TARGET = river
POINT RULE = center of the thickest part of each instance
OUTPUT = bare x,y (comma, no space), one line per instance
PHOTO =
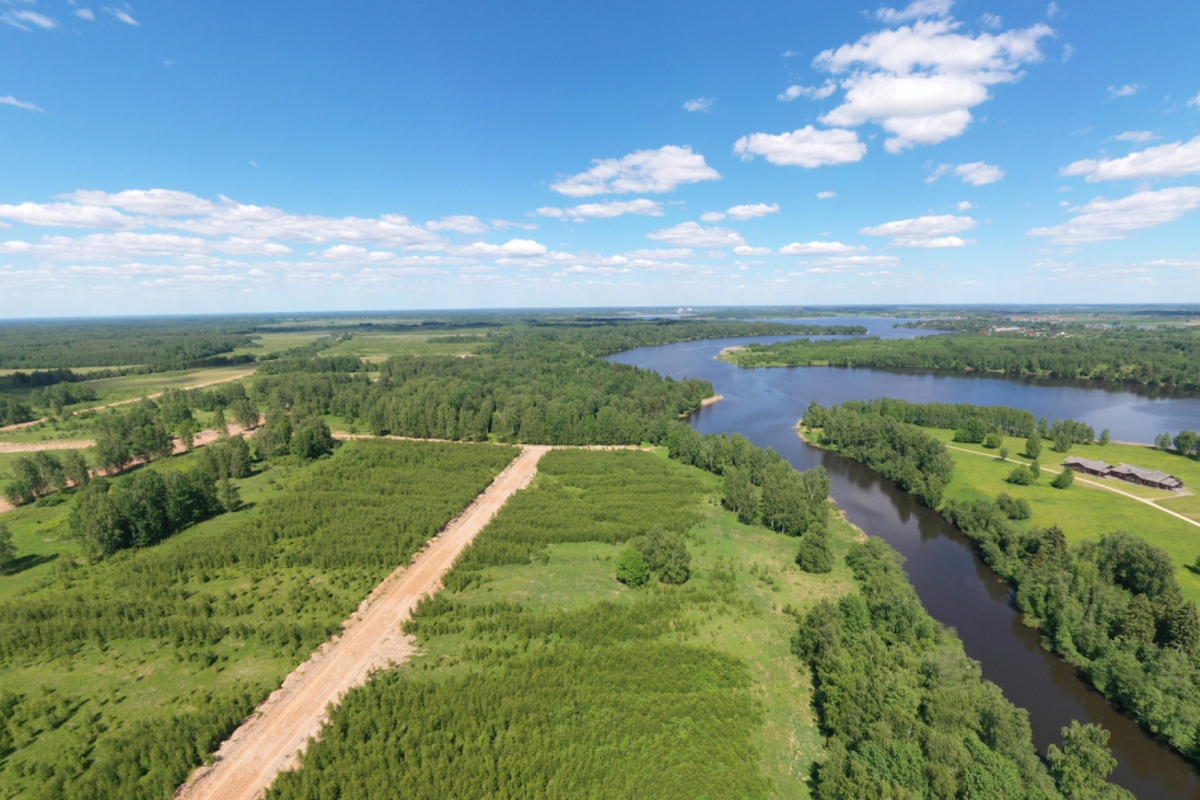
954,585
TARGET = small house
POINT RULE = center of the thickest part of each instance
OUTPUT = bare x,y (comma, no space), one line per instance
1088,466
1146,477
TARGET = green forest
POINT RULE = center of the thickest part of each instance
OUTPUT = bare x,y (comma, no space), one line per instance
908,715
121,676
1166,357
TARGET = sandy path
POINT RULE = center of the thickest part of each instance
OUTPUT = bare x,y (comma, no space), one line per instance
33,447
272,739
202,438
227,379
1098,485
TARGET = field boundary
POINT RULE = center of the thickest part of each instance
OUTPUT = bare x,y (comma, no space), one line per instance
272,738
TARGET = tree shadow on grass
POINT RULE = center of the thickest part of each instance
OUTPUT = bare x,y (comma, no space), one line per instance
29,562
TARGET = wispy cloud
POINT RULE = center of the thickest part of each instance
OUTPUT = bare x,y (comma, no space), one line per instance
24,19
700,104
9,100
1128,90
655,171
123,15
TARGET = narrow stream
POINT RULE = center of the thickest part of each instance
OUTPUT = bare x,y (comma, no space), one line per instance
955,586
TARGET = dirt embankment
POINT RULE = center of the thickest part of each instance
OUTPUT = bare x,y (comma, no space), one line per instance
272,739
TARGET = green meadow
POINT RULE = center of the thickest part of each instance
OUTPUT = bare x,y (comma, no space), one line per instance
1084,511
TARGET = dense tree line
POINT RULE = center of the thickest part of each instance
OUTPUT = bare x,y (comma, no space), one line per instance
1112,607
13,412
998,419
141,509
289,576
1185,443
908,715
534,387
160,344
44,472
49,377
916,461
57,397
1169,357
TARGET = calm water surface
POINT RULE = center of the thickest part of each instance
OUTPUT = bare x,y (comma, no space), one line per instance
954,585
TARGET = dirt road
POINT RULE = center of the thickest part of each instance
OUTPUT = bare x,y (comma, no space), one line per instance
272,739
227,379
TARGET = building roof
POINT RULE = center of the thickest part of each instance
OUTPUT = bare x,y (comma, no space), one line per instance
1087,463
1151,475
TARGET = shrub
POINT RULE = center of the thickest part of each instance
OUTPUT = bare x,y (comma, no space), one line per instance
1022,476
974,432
814,555
1064,479
1013,507
632,569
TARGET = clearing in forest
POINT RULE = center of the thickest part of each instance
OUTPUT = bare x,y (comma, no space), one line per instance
541,675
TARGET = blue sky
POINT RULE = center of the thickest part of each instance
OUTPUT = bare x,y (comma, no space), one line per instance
229,157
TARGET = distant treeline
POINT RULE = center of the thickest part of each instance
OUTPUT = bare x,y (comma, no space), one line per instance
316,364
157,344
1168,357
916,461
908,715
1111,607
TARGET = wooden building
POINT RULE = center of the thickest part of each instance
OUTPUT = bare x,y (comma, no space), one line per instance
1125,472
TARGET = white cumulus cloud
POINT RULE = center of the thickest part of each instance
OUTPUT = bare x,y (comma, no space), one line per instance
812,92
743,213
461,223
920,82
978,173
819,249
615,208
805,147
915,10
655,171
700,104
747,250
1104,220
159,202
1170,160
928,232
513,247
712,216
826,195
693,234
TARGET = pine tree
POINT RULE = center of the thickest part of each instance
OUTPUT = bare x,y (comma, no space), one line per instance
8,551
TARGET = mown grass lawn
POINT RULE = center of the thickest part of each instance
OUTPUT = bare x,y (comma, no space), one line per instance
1084,511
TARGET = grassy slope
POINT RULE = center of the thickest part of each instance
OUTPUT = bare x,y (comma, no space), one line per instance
1083,511
115,684
577,576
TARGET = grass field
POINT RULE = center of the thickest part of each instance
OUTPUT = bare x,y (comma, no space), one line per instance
1085,511
381,346
742,622
179,641
277,342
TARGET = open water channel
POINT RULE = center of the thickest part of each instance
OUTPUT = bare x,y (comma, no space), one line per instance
955,586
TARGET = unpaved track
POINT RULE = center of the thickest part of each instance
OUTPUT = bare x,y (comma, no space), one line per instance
272,739
227,379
